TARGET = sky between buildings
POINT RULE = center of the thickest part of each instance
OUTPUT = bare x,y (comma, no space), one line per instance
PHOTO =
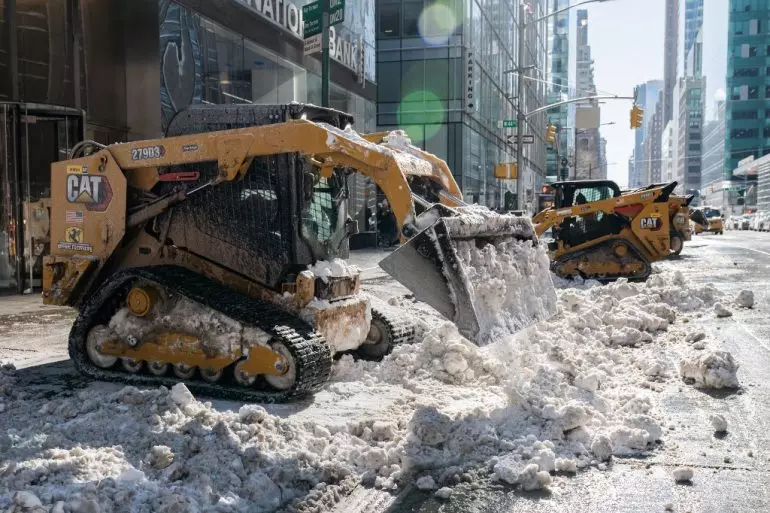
626,38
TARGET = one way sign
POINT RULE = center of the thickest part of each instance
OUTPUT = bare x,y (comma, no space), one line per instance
528,139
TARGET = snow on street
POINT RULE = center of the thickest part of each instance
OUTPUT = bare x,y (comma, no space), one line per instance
550,408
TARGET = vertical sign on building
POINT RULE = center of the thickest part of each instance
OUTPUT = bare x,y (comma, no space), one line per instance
470,101
361,62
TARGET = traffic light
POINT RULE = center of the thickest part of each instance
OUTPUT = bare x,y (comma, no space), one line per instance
637,116
550,134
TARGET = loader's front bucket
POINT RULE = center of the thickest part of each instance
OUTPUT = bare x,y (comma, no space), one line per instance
697,216
483,271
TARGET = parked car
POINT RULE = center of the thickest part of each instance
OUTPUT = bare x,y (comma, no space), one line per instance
745,223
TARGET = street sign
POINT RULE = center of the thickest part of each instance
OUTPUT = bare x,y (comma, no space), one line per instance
313,44
336,12
311,15
527,139
509,123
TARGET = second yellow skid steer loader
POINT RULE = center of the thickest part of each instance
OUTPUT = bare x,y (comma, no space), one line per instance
208,256
600,233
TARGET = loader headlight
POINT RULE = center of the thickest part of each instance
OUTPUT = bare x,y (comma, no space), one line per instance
680,219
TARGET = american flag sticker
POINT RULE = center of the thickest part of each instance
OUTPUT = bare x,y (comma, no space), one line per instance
74,217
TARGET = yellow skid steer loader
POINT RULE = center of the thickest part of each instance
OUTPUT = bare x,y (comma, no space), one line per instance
208,256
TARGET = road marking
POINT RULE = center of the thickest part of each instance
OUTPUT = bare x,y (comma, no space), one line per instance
751,334
755,250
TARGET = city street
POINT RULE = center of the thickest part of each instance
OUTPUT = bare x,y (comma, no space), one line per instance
730,471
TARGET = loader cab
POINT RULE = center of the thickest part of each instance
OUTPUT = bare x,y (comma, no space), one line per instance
578,192
576,230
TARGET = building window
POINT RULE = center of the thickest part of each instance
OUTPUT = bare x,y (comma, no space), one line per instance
745,114
694,147
412,11
767,132
743,133
746,72
753,92
390,20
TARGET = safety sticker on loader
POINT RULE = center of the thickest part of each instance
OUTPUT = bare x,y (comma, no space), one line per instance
73,240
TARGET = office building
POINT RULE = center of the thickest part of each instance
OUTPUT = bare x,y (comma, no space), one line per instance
689,112
714,61
718,189
587,113
559,88
693,21
630,178
652,144
667,152
114,70
670,49
647,95
748,93
448,78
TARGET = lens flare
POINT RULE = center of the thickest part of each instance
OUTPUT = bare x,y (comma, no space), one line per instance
421,107
437,22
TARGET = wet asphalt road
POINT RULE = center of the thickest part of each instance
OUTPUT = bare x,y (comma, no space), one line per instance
732,474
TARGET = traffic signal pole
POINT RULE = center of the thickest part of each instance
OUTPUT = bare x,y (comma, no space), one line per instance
325,53
520,119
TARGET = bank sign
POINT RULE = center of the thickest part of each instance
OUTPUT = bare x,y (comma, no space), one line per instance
288,16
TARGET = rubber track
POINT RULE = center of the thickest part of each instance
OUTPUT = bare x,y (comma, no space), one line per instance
400,328
647,270
312,355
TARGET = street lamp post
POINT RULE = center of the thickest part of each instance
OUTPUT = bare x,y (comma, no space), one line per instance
521,116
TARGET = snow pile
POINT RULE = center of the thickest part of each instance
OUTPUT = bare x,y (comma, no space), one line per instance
555,398
715,369
336,268
745,299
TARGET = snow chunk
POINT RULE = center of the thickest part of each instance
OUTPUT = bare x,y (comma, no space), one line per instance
715,369
426,483
430,426
444,493
721,311
745,299
160,457
683,474
601,447
181,395
573,415
26,500
131,476
252,414
337,268
566,465
719,423
532,478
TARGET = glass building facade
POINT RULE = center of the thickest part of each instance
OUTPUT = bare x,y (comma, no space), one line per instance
444,76
748,84
559,89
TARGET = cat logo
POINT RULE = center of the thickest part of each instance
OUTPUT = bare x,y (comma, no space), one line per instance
73,235
92,191
650,223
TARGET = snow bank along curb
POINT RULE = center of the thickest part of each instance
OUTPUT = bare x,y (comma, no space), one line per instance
560,396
